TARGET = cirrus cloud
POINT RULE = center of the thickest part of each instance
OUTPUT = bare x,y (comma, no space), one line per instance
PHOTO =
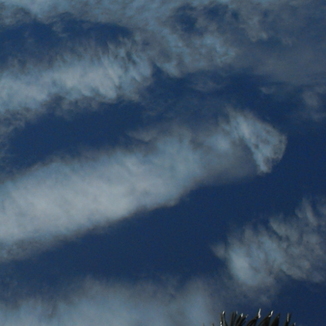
61,198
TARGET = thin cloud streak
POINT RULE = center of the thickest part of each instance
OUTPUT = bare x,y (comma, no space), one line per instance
64,198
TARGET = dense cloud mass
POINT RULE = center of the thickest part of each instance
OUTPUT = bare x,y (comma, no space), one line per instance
190,120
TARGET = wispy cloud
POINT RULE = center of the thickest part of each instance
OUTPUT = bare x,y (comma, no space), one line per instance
237,38
166,44
290,247
189,39
98,303
64,198
120,72
178,42
84,70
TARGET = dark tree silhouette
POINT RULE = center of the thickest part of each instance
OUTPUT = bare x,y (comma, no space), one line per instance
241,320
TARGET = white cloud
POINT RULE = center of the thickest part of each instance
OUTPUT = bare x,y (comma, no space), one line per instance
158,40
151,25
64,198
252,133
90,302
216,42
121,71
313,103
96,303
292,247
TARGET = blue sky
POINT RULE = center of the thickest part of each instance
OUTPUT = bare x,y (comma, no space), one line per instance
161,161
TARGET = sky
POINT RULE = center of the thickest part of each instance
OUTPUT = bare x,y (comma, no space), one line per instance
162,161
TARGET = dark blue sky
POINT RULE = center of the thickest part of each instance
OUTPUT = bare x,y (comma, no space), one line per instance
162,163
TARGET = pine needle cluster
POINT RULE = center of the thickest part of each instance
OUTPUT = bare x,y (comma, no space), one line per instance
241,320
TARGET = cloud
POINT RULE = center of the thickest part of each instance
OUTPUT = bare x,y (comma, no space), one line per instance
267,38
88,73
313,103
99,303
178,39
198,35
63,198
175,52
91,74
292,247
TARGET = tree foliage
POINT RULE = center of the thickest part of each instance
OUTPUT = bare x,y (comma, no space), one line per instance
241,320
